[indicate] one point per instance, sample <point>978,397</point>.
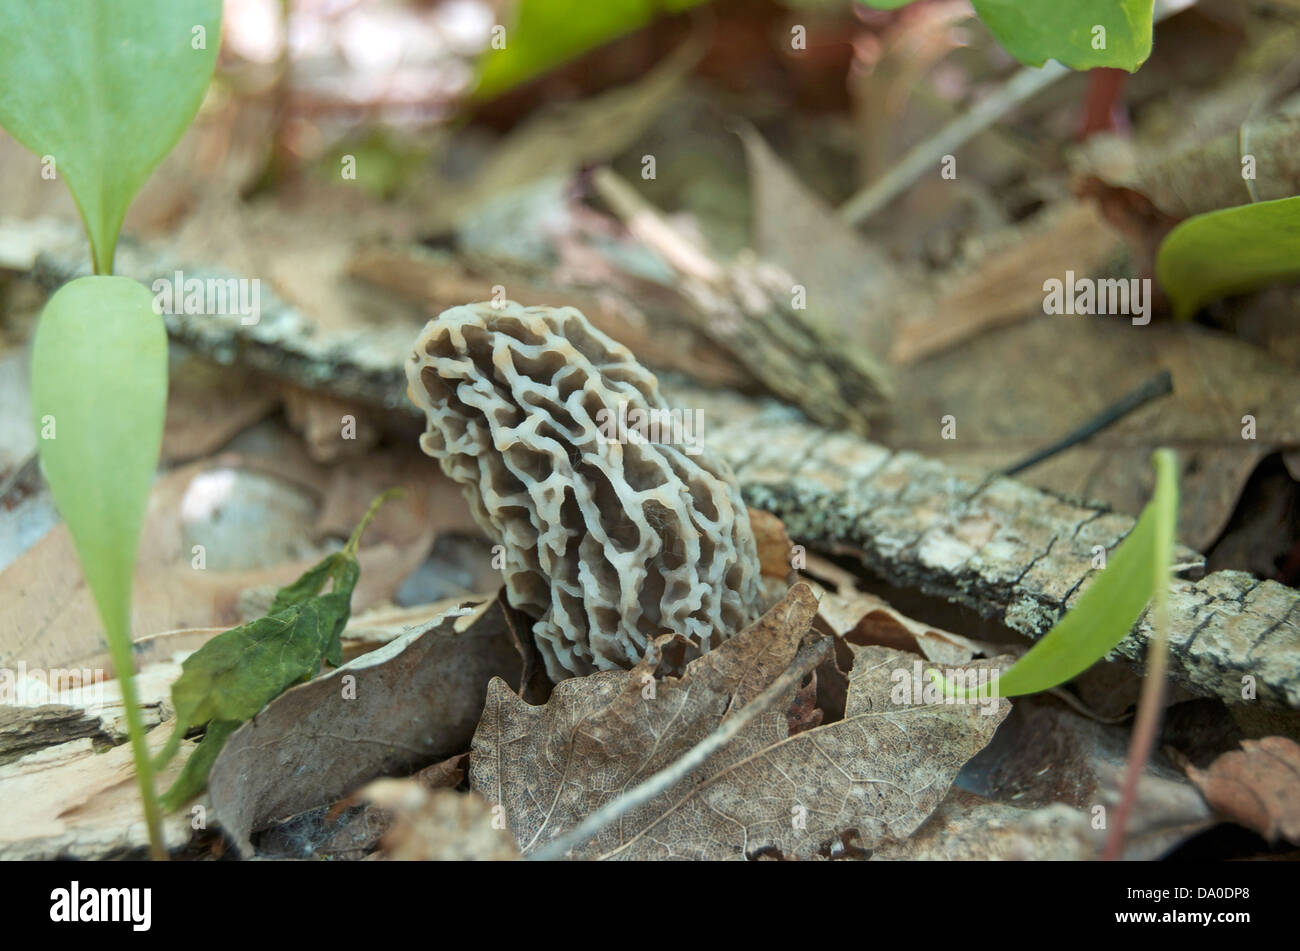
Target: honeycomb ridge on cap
<point>607,543</point>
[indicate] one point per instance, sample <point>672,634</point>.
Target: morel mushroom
<point>613,533</point>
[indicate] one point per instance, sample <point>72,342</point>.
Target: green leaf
<point>1110,606</point>
<point>232,677</point>
<point>1229,252</point>
<point>547,33</point>
<point>237,673</point>
<point>99,393</point>
<point>1034,31</point>
<point>194,774</point>
<point>105,87</point>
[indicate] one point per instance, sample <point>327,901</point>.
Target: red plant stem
<point>1151,703</point>
<point>1103,103</point>
<point>1145,730</point>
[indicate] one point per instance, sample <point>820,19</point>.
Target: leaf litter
<point>875,775</point>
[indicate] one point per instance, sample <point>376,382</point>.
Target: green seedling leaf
<point>1080,34</point>
<point>99,392</point>
<point>232,677</point>
<point>1110,606</point>
<point>548,33</point>
<point>1229,252</point>
<point>102,90</point>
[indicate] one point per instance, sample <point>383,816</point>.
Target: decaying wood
<point>72,801</point>
<point>362,365</point>
<point>746,307</point>
<point>26,729</point>
<point>743,308</point>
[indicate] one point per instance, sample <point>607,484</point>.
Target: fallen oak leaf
<point>809,656</point>
<point>880,771</point>
<point>1256,786</point>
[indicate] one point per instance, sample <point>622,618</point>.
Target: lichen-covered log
<point>997,546</point>
<point>616,524</point>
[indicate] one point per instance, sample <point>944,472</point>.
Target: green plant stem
<point>1151,702</point>
<point>119,645</point>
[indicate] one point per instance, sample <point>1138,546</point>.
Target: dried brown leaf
<point>1257,786</point>
<point>1046,755</point>
<point>257,520</point>
<point>207,405</point>
<point>848,280</point>
<point>966,827</point>
<point>410,701</point>
<point>1016,390</point>
<point>879,772</point>
<point>774,545</point>
<point>865,619</point>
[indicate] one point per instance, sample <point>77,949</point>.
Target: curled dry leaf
<point>878,773</point>
<point>865,619</point>
<point>1257,786</point>
<point>408,702</point>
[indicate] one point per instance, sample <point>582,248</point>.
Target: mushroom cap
<point>617,524</point>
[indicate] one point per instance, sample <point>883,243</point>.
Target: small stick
<point>924,156</point>
<point>807,659</point>
<point>1159,385</point>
